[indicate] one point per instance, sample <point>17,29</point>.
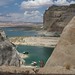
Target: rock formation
<point>57,17</point>
<point>64,53</point>
<point>8,53</point>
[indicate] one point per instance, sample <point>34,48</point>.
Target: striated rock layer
<point>57,17</point>
<point>64,53</point>
<point>8,53</point>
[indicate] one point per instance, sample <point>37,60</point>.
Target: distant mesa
<point>57,17</point>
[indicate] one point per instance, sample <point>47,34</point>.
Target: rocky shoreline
<point>35,41</point>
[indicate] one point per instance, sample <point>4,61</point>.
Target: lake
<point>36,53</point>
<point>12,32</point>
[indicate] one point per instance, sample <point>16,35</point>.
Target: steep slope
<point>57,17</point>
<point>64,53</point>
<point>8,53</point>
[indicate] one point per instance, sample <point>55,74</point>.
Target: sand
<point>35,41</point>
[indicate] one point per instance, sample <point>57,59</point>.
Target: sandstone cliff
<point>63,55</point>
<point>57,17</point>
<point>8,53</point>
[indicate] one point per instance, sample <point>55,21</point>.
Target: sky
<point>27,10</point>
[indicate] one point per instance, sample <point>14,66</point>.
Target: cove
<point>36,53</point>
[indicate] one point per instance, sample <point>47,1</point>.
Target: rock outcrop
<point>8,53</point>
<point>57,17</point>
<point>63,55</point>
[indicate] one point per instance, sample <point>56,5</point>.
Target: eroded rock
<point>62,59</point>
<point>8,53</point>
<point>57,17</point>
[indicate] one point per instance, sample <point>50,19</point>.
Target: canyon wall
<point>62,59</point>
<point>57,17</point>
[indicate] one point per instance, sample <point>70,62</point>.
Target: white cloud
<point>31,4</point>
<point>35,3</point>
<point>72,2</point>
<point>32,16</point>
<point>63,2</point>
<point>32,13</point>
<point>12,17</point>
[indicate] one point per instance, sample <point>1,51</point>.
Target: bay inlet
<point>36,53</point>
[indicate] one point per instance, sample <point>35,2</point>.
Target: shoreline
<point>35,41</point>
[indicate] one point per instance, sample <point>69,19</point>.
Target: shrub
<point>68,66</point>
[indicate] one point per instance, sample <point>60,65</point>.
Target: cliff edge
<point>57,17</point>
<point>62,59</point>
<point>8,53</point>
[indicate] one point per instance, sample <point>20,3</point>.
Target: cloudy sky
<point>27,10</point>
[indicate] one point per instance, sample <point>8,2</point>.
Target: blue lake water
<point>12,32</point>
<point>35,53</point>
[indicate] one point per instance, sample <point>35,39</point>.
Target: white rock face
<point>64,53</point>
<point>8,53</point>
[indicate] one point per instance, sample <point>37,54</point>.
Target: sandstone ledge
<point>35,41</point>
<point>17,70</point>
<point>62,60</point>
